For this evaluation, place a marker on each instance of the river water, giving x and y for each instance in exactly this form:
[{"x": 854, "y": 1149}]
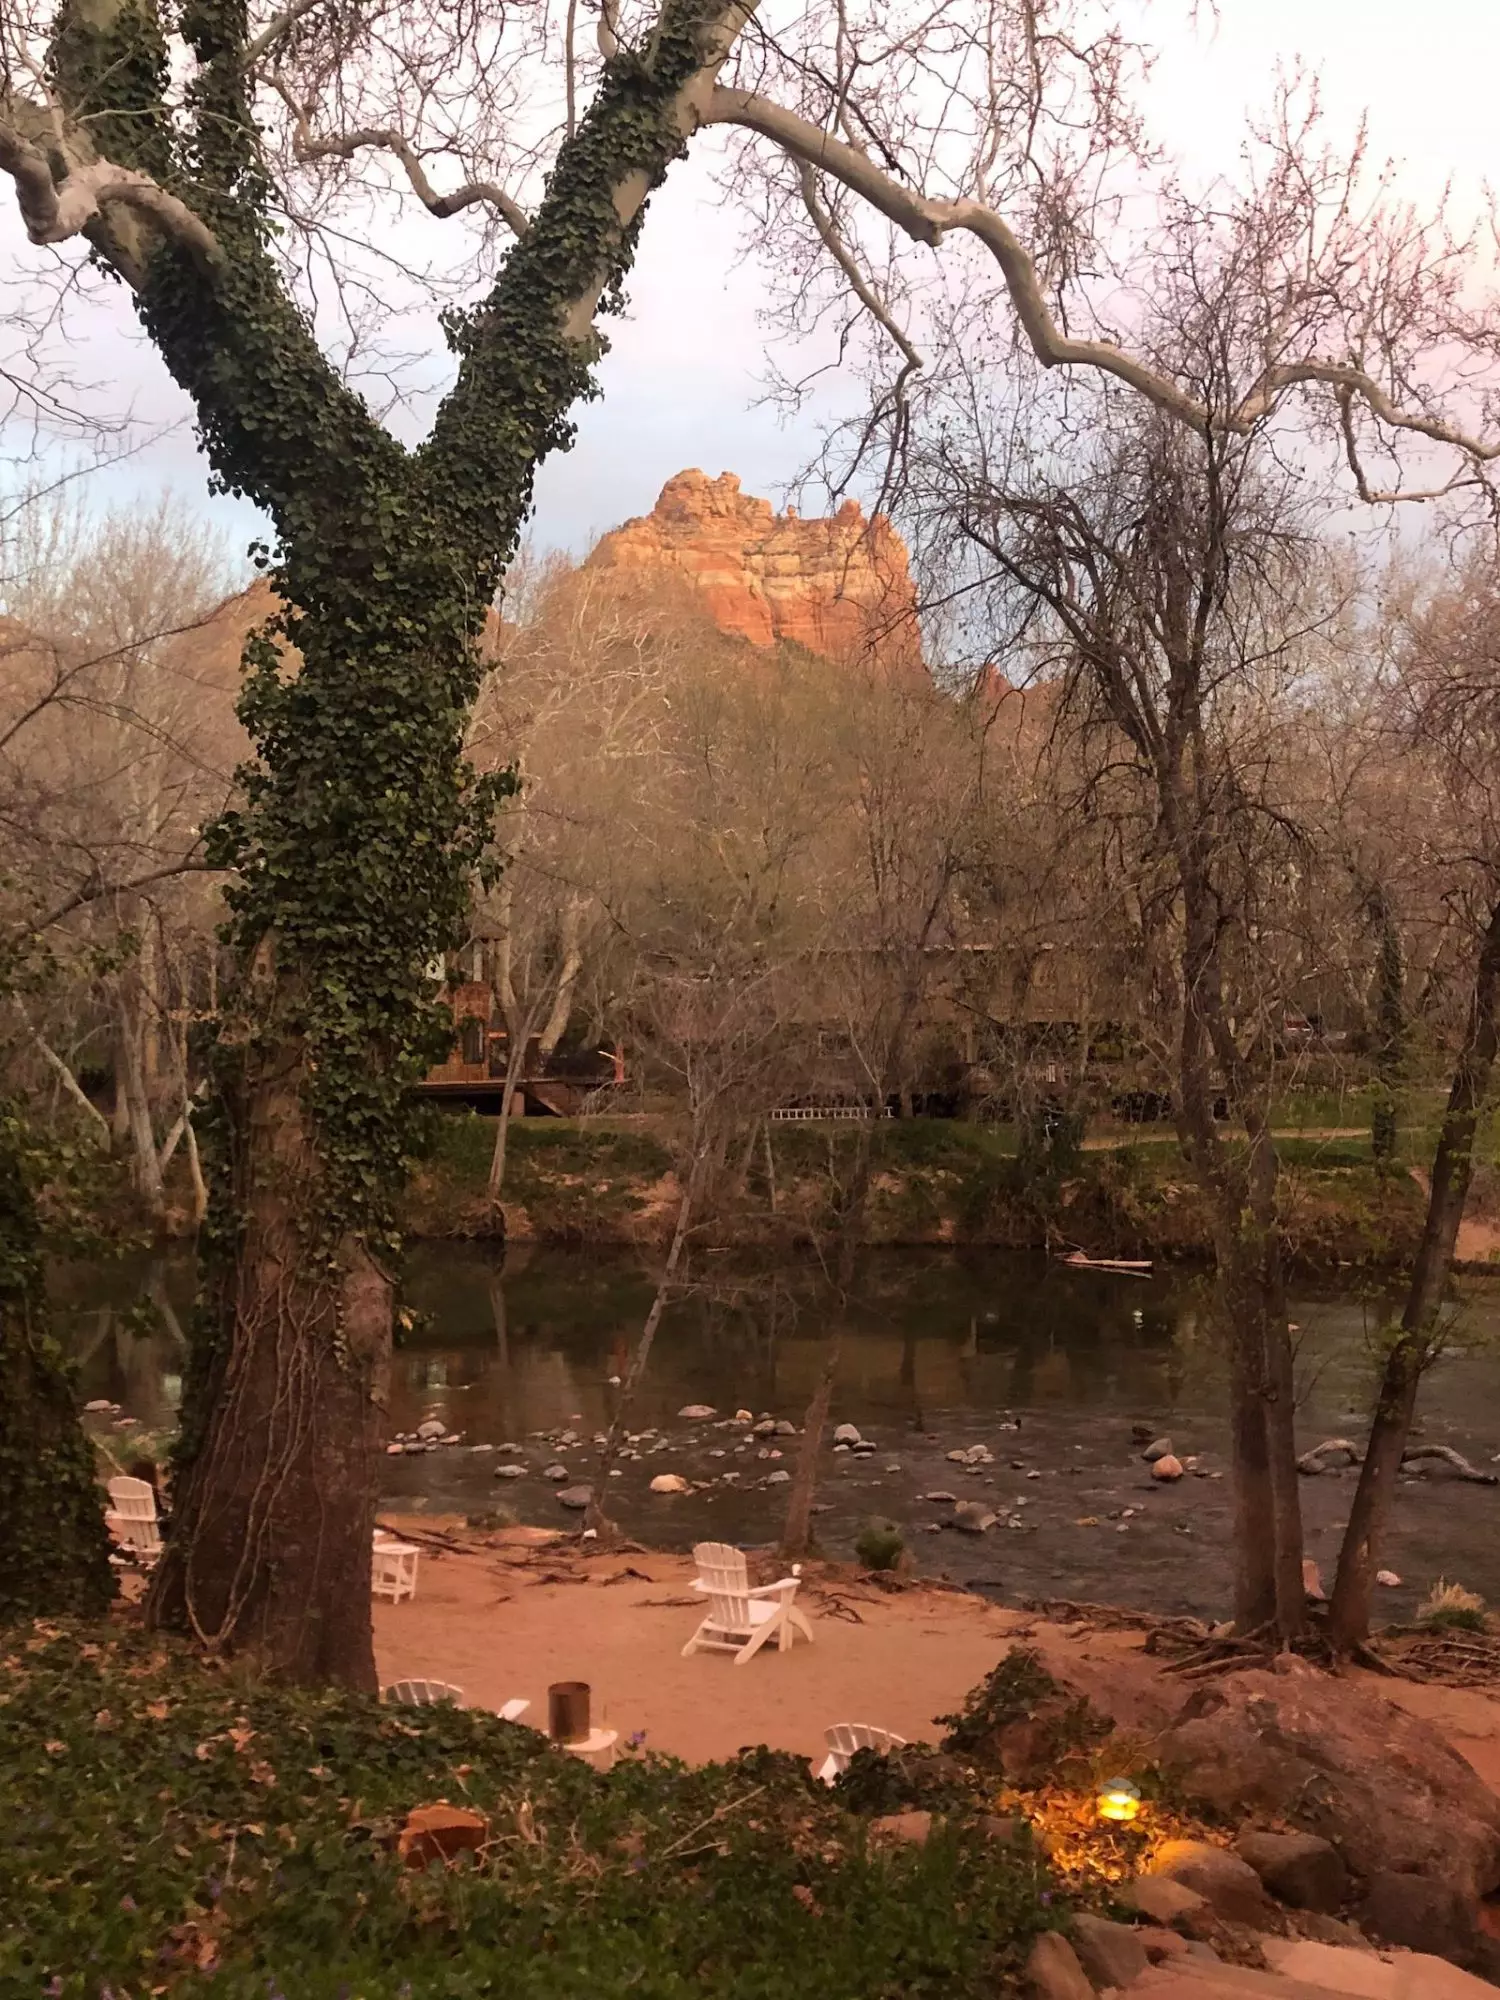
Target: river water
[{"x": 1049, "y": 1368}]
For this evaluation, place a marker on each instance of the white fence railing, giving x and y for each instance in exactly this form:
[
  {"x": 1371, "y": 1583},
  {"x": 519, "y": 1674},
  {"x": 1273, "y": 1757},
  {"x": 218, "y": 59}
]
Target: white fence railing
[{"x": 816, "y": 1114}]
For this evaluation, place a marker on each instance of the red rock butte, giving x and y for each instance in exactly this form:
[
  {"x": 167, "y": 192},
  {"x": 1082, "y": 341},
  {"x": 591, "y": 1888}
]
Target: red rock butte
[{"x": 841, "y": 587}]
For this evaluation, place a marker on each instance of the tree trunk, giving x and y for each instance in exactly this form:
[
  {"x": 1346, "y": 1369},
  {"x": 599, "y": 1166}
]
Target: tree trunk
[
  {"x": 515, "y": 1062},
  {"x": 147, "y": 1161},
  {"x": 56, "y": 1554},
  {"x": 796, "y": 1533},
  {"x": 275, "y": 1495},
  {"x": 1414, "y": 1346},
  {"x": 596, "y": 1517}
]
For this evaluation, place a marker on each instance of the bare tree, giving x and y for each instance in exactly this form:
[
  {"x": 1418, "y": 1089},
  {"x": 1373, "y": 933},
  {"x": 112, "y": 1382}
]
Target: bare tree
[
  {"x": 1450, "y": 684},
  {"x": 232, "y": 164}
]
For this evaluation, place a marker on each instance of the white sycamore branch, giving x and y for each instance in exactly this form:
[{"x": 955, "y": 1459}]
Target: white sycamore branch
[
  {"x": 53, "y": 211},
  {"x": 927, "y": 221},
  {"x": 343, "y": 146}
]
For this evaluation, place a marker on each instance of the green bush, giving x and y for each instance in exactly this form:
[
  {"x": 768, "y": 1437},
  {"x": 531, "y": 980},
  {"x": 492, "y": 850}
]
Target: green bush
[
  {"x": 881, "y": 1545},
  {"x": 175, "y": 1829}
]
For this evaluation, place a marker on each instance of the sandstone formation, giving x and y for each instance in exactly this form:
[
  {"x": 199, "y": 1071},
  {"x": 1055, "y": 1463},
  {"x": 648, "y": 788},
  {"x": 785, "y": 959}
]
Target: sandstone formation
[{"x": 840, "y": 587}]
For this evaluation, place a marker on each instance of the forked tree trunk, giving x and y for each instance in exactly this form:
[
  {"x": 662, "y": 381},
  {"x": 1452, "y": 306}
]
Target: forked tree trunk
[
  {"x": 1412, "y": 1349},
  {"x": 275, "y": 1499}
]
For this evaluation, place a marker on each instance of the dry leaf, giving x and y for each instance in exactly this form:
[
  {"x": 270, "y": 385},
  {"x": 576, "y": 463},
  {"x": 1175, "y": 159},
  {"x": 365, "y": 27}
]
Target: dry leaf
[{"x": 158, "y": 1710}]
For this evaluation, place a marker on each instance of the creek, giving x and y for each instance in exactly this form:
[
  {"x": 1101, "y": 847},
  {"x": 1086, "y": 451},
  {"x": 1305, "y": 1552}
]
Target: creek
[{"x": 1049, "y": 1368}]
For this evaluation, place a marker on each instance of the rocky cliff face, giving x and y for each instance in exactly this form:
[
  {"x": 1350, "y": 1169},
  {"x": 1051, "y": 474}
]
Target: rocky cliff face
[{"x": 840, "y": 587}]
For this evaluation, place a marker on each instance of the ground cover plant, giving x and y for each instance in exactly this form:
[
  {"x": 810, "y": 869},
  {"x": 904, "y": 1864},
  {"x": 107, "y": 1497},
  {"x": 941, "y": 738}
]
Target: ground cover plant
[{"x": 173, "y": 1827}]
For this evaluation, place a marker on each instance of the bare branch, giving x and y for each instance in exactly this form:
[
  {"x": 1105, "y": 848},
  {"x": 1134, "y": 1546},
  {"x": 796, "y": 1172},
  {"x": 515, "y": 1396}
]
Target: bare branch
[
  {"x": 928, "y": 221},
  {"x": 841, "y": 254},
  {"x": 54, "y": 211},
  {"x": 275, "y": 30},
  {"x": 345, "y": 145}
]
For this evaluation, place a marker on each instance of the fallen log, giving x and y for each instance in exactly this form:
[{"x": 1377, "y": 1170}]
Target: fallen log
[
  {"x": 1454, "y": 1459},
  {"x": 1311, "y": 1462}
]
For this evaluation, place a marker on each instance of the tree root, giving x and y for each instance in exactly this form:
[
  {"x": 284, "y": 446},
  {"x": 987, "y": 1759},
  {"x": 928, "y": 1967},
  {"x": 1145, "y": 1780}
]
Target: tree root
[{"x": 1313, "y": 1462}]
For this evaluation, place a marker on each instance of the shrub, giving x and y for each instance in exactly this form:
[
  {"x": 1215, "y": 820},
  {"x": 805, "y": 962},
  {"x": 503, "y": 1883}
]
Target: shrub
[
  {"x": 881, "y": 1545},
  {"x": 1449, "y": 1604},
  {"x": 173, "y": 1829}
]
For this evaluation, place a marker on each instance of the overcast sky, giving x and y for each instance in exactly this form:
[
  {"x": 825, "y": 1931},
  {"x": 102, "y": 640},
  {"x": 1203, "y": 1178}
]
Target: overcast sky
[{"x": 681, "y": 384}]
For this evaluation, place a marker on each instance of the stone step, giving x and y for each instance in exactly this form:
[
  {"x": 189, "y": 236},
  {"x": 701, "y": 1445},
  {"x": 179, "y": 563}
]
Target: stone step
[{"x": 1307, "y": 1971}]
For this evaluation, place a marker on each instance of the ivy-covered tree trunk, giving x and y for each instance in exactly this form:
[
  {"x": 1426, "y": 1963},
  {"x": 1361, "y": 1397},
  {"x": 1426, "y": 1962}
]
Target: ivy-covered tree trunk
[
  {"x": 361, "y": 827},
  {"x": 56, "y": 1550}
]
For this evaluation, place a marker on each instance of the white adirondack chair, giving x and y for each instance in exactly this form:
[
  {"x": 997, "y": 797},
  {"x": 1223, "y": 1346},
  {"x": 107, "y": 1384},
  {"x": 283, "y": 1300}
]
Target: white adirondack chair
[
  {"x": 426, "y": 1694},
  {"x": 422, "y": 1694},
  {"x": 844, "y": 1738},
  {"x": 393, "y": 1568},
  {"x": 131, "y": 1519},
  {"x": 741, "y": 1620}
]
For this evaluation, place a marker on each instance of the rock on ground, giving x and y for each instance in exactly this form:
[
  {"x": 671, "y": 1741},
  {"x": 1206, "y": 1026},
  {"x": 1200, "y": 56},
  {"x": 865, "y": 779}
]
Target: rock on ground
[
  {"x": 1297, "y": 1868},
  {"x": 576, "y": 1497},
  {"x": 1381, "y": 1784},
  {"x": 1053, "y": 1971},
  {"x": 695, "y": 1412},
  {"x": 670, "y": 1482},
  {"x": 1163, "y": 1899},
  {"x": 973, "y": 1517},
  {"x": 1336, "y": 1969},
  {"x": 1111, "y": 1954},
  {"x": 1230, "y": 1885}
]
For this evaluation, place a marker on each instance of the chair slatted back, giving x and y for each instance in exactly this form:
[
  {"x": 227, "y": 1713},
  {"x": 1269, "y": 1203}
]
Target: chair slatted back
[
  {"x": 422, "y": 1694},
  {"x": 134, "y": 1499},
  {"x": 844, "y": 1738},
  {"x": 726, "y": 1583}
]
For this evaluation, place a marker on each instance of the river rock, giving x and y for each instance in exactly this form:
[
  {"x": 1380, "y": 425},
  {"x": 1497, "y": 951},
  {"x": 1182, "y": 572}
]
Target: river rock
[
  {"x": 941, "y": 1499},
  {"x": 1053, "y": 1971},
  {"x": 1167, "y": 1469},
  {"x": 846, "y": 1434},
  {"x": 1162, "y": 1899},
  {"x": 1387, "y": 1579},
  {"x": 1383, "y": 1785},
  {"x": 395, "y": 1450},
  {"x": 1297, "y": 1868},
  {"x": 556, "y": 1473},
  {"x": 777, "y": 1478},
  {"x": 413, "y": 1447},
  {"x": 784, "y": 1428},
  {"x": 1159, "y": 1448},
  {"x": 696, "y": 1412},
  {"x": 514, "y": 1450},
  {"x": 430, "y": 1427},
  {"x": 743, "y": 1416},
  {"x": 670, "y": 1482},
  {"x": 1111, "y": 1954},
  {"x": 576, "y": 1497},
  {"x": 765, "y": 1428},
  {"x": 973, "y": 1517},
  {"x": 510, "y": 1472},
  {"x": 1229, "y": 1884},
  {"x": 100, "y": 1403},
  {"x": 866, "y": 1448}
]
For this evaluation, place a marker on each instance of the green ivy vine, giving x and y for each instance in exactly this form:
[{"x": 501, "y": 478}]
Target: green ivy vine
[{"x": 360, "y": 825}]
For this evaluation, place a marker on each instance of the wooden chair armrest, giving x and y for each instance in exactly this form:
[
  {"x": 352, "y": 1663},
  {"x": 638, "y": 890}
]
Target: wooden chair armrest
[{"x": 786, "y": 1587}]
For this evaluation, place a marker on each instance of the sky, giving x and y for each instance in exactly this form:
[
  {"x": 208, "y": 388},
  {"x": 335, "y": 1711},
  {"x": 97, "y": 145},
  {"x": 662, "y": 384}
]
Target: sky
[{"x": 682, "y": 384}]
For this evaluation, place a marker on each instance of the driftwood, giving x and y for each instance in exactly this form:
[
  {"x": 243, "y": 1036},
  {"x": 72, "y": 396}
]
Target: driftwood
[
  {"x": 1452, "y": 1458},
  {"x": 1314, "y": 1461}
]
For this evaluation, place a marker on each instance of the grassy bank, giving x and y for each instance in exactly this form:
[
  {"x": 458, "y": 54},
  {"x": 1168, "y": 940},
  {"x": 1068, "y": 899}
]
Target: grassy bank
[
  {"x": 173, "y": 1828},
  {"x": 937, "y": 1181}
]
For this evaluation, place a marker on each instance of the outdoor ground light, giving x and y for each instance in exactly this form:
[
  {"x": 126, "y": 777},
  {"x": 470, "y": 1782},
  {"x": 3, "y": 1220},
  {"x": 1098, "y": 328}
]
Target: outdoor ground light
[{"x": 1119, "y": 1799}]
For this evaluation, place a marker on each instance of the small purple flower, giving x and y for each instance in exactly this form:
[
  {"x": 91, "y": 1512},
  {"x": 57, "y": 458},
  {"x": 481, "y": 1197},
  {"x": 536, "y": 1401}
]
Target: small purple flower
[
  {"x": 636, "y": 1738},
  {"x": 1045, "y": 1898}
]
